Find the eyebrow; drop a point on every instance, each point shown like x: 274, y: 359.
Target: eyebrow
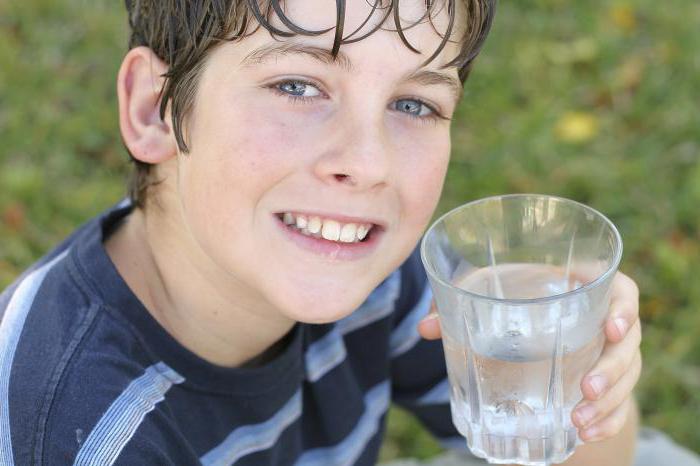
x: 434, y: 78
x: 274, y: 51
x: 269, y: 52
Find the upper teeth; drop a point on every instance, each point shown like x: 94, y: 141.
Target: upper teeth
x: 331, y: 230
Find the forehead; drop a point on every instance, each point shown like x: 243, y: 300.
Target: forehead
x: 418, y: 27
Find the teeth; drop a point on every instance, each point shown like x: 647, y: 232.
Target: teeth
x: 314, y: 225
x: 362, y: 232
x: 331, y: 230
x: 347, y: 234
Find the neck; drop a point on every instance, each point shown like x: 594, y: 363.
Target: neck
x: 205, y: 309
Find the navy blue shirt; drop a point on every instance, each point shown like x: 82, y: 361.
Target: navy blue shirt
x: 87, y: 376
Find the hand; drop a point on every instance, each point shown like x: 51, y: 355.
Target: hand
x: 607, y: 388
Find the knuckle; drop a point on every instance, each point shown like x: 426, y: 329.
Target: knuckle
x: 614, y: 425
x: 634, y: 287
x: 637, y: 367
x: 637, y: 334
x: 613, y: 369
x: 626, y: 295
x: 618, y: 392
x: 628, y: 282
x: 618, y: 366
x: 622, y: 366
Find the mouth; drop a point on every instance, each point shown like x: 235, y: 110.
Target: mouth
x: 336, y: 237
x: 330, y: 229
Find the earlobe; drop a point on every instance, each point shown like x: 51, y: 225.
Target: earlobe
x: 148, y: 138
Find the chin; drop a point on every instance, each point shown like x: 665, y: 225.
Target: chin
x: 320, y: 309
x: 316, y: 298
x: 325, y: 315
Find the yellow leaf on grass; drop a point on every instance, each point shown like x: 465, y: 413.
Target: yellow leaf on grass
x: 623, y: 17
x: 577, y: 127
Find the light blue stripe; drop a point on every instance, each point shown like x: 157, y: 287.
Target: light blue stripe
x: 329, y: 351
x: 10, y: 331
x: 119, y: 424
x: 439, y: 394
x: 349, y: 450
x: 405, y: 335
x: 324, y: 354
x: 249, y: 439
x: 123, y: 203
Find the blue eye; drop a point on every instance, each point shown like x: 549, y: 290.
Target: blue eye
x: 413, y: 107
x: 298, y: 88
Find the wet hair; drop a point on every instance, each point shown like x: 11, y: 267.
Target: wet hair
x: 183, y: 32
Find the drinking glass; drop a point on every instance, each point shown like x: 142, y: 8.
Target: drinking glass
x: 522, y: 286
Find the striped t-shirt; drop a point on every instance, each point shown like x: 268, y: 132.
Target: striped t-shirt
x: 88, y: 377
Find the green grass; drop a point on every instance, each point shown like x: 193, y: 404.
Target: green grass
x: 595, y: 100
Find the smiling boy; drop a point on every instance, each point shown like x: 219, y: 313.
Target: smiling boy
x: 256, y: 301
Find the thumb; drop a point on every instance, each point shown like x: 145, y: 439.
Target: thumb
x: 429, y: 326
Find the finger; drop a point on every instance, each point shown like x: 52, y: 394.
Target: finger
x: 429, y: 326
x: 591, y: 412
x: 612, y: 364
x: 609, y: 426
x: 624, y: 308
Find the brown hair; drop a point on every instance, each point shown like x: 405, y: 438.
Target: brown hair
x: 183, y: 32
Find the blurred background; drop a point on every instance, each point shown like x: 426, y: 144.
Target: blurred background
x: 598, y: 101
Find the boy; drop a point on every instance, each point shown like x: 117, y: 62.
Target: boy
x: 256, y: 301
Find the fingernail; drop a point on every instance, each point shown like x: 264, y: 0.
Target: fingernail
x: 621, y: 325
x: 430, y: 316
x: 598, y: 384
x: 584, y: 414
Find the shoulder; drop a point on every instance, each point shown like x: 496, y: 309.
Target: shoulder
x: 112, y: 411
x: 106, y: 407
x: 64, y: 359
x: 43, y: 313
x: 91, y: 395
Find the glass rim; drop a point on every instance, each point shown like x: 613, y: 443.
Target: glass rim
x: 521, y: 301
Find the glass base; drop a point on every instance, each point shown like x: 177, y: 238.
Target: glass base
x: 500, y: 449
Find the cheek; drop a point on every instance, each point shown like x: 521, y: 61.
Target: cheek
x: 252, y: 144
x: 242, y: 157
x: 423, y: 168
x: 237, y: 158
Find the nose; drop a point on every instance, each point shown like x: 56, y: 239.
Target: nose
x: 359, y: 156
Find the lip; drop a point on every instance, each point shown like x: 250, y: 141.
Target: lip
x: 332, y: 250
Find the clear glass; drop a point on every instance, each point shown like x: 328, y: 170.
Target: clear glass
x: 522, y: 287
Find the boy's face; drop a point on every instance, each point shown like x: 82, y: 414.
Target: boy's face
x: 357, y: 141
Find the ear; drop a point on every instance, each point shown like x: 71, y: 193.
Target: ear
x: 148, y: 138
